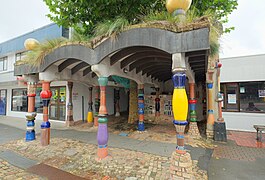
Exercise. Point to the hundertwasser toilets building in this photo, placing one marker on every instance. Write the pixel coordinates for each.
(147, 72)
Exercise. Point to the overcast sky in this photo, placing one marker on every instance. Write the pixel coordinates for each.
(21, 16)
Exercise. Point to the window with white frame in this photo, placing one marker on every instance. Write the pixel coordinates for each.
(3, 63)
(20, 56)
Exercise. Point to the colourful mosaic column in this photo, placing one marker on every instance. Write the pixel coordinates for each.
(180, 108)
(117, 102)
(210, 119)
(90, 107)
(97, 103)
(31, 114)
(192, 103)
(70, 120)
(219, 95)
(46, 95)
(157, 103)
(102, 135)
(141, 107)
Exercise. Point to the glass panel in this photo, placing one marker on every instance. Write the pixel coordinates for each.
(38, 101)
(62, 112)
(19, 100)
(53, 112)
(54, 98)
(62, 97)
(1, 65)
(252, 96)
(232, 97)
(2, 102)
(222, 88)
(57, 107)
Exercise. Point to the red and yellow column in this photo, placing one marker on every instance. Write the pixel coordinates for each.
(31, 114)
(45, 125)
(90, 107)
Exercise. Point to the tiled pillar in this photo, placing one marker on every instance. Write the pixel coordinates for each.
(193, 128)
(157, 103)
(69, 119)
(219, 95)
(141, 107)
(90, 107)
(97, 103)
(180, 107)
(31, 114)
(102, 135)
(192, 103)
(210, 118)
(45, 125)
(117, 102)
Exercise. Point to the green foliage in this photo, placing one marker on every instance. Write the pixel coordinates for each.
(108, 27)
(221, 9)
(84, 15)
(110, 17)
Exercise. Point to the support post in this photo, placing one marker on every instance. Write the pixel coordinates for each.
(210, 118)
(45, 125)
(97, 103)
(180, 159)
(102, 135)
(70, 120)
(31, 114)
(180, 100)
(157, 103)
(193, 129)
(141, 107)
(219, 126)
(90, 107)
(117, 102)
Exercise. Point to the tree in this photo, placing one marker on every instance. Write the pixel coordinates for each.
(83, 15)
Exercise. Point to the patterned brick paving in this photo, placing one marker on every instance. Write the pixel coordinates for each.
(238, 153)
(247, 149)
(247, 139)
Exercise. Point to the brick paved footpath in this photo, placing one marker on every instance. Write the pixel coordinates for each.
(9, 172)
(78, 159)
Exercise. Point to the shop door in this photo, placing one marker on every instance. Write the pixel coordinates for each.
(2, 102)
(231, 97)
(57, 104)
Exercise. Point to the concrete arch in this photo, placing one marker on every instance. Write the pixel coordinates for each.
(164, 40)
(79, 52)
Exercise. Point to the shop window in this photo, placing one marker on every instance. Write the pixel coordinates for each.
(38, 101)
(252, 96)
(230, 96)
(19, 100)
(20, 56)
(3, 64)
(244, 97)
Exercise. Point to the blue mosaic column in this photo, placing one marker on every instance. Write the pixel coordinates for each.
(31, 114)
(157, 103)
(141, 107)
